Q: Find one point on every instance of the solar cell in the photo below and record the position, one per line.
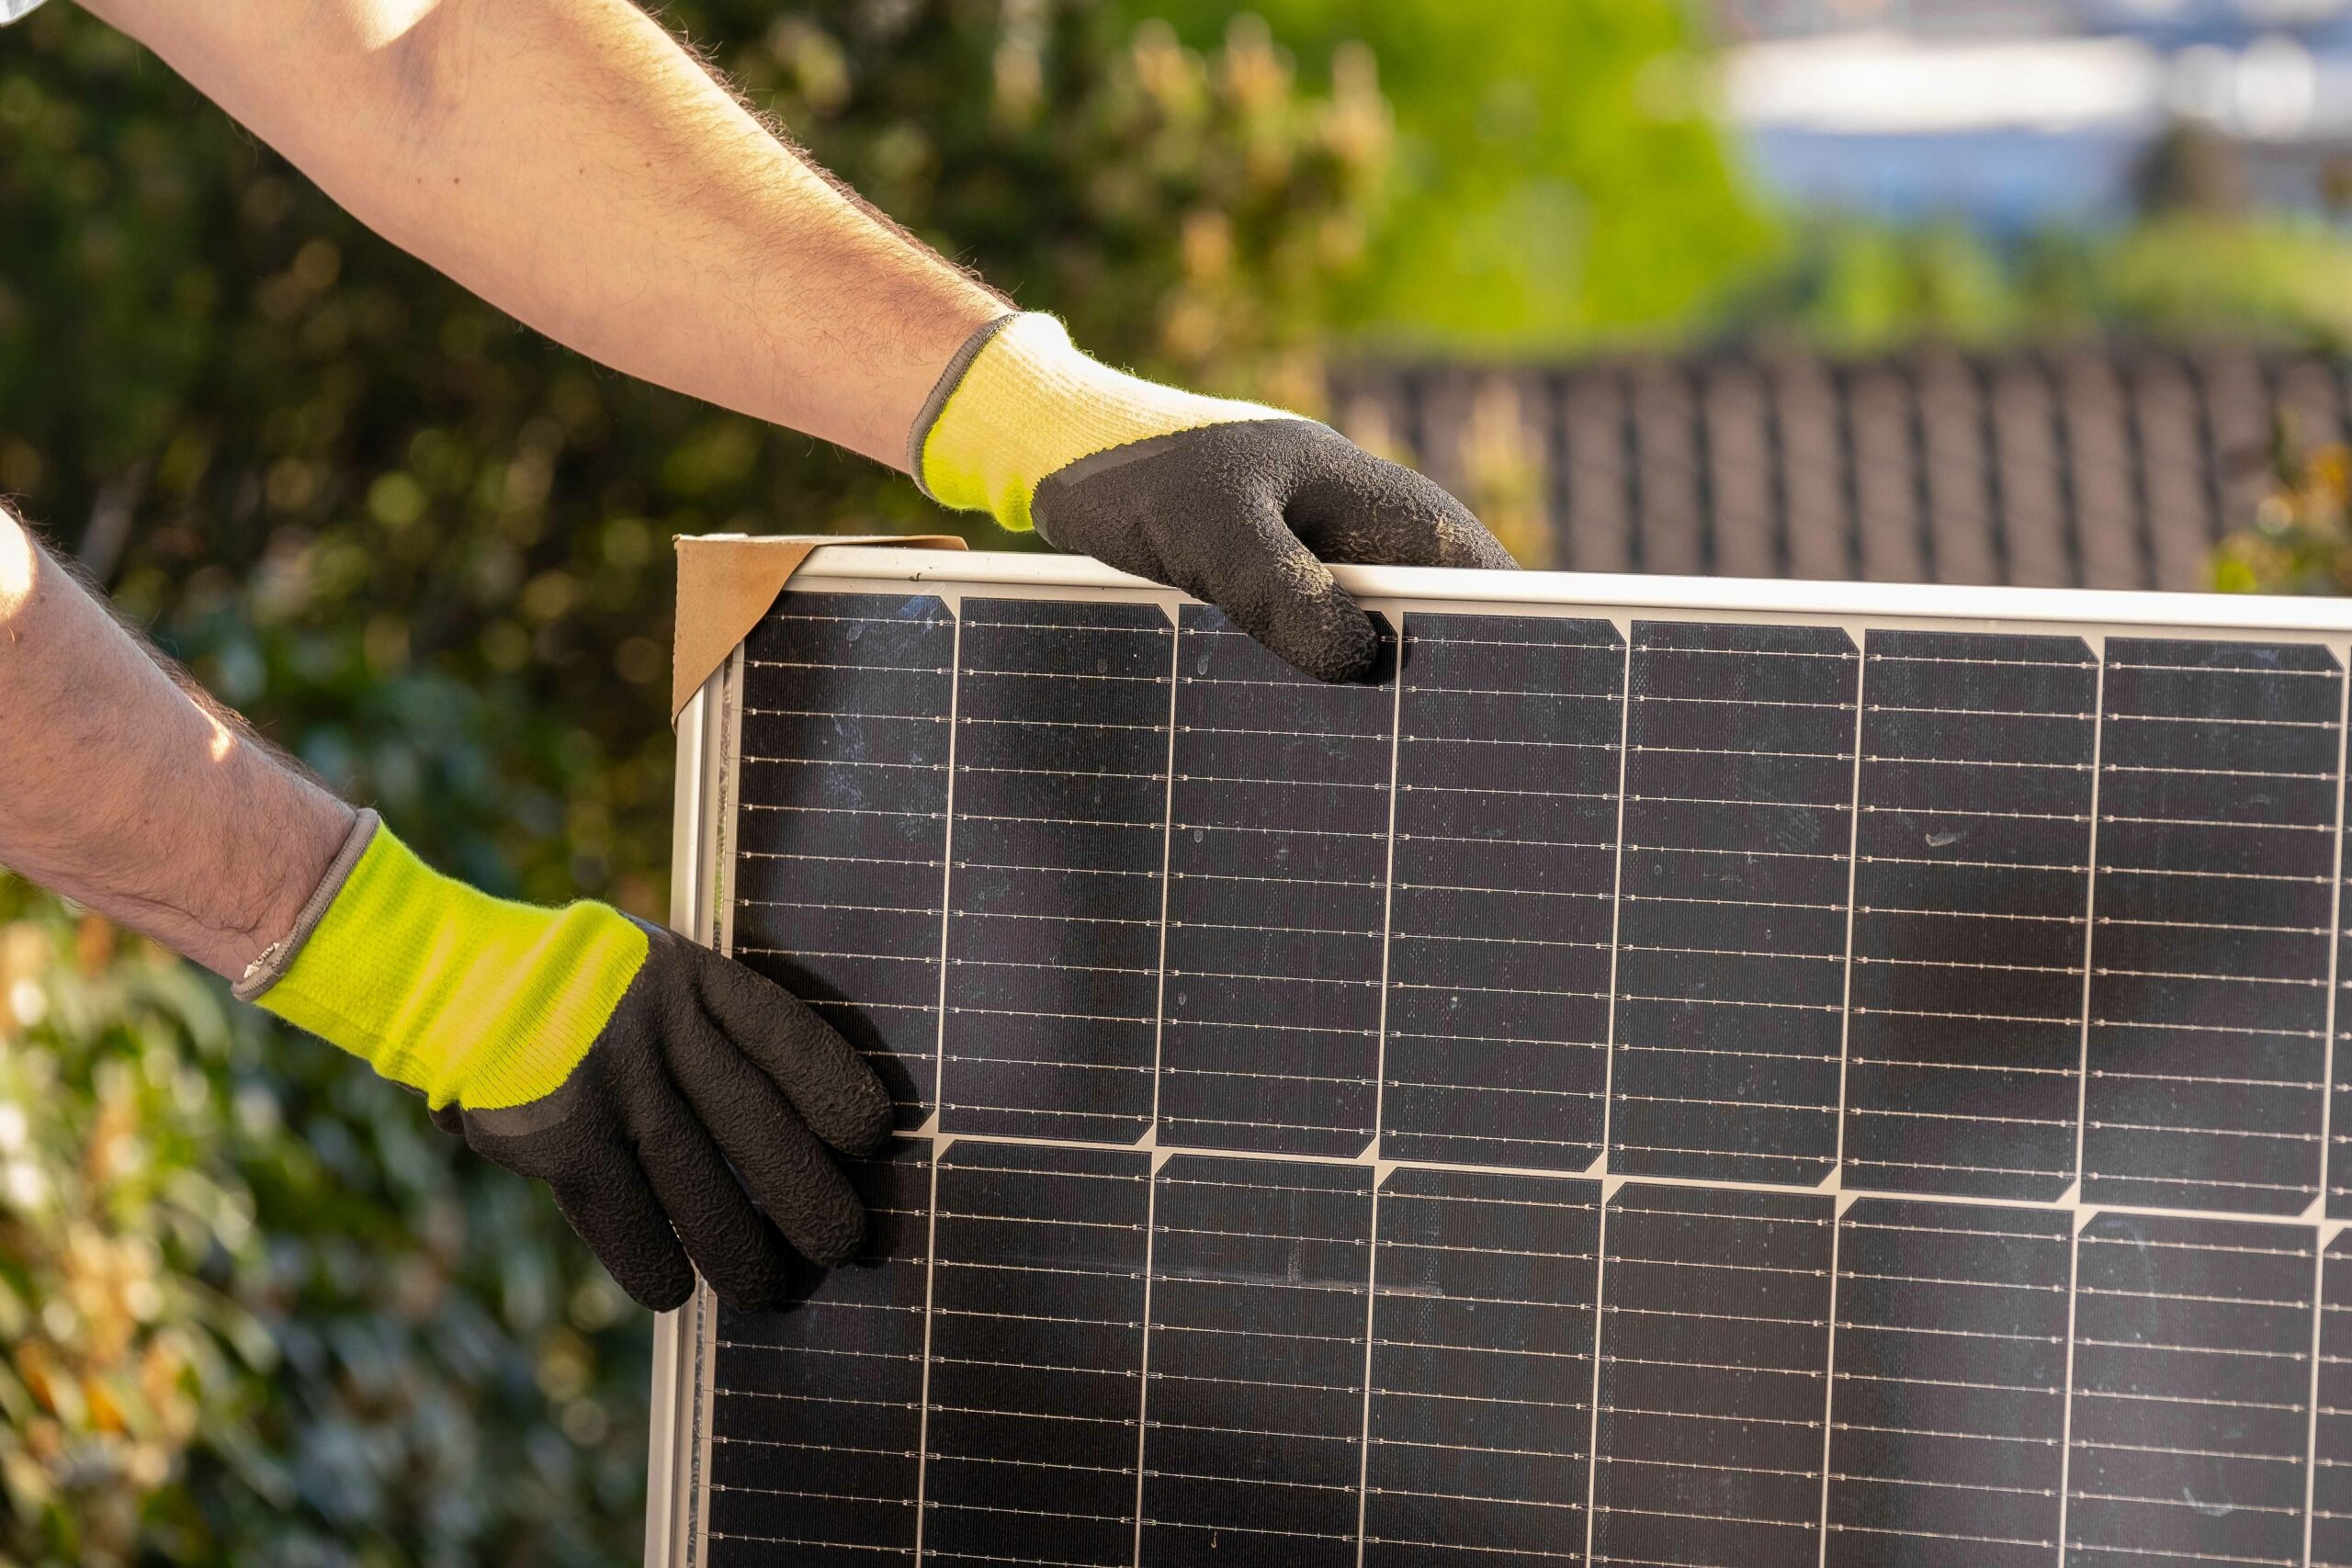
(1254, 1389)
(840, 848)
(1036, 1389)
(1502, 896)
(2190, 1413)
(1661, 1087)
(1713, 1387)
(1948, 1408)
(816, 1430)
(1970, 894)
(2331, 1477)
(2339, 1166)
(1481, 1368)
(1731, 926)
(1277, 864)
(2220, 777)
(1059, 843)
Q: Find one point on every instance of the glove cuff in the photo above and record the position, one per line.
(270, 966)
(1018, 403)
(469, 999)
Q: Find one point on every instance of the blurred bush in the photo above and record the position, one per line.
(1562, 180)
(257, 1309)
(2299, 540)
(1858, 288)
(251, 1310)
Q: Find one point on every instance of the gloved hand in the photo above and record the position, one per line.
(622, 1065)
(1232, 503)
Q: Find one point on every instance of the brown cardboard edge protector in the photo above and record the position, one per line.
(727, 581)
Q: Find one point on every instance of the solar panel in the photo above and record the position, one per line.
(1667, 1073)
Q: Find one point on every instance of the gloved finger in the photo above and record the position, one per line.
(612, 1208)
(740, 1252)
(828, 1082)
(1351, 507)
(774, 1153)
(1202, 511)
(572, 1142)
(1249, 565)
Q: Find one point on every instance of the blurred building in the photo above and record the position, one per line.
(2083, 467)
(2011, 114)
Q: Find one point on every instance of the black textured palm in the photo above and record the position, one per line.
(710, 1088)
(1243, 517)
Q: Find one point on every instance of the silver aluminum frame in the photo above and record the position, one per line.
(710, 727)
(678, 1447)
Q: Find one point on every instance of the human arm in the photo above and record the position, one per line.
(648, 1081)
(128, 791)
(567, 160)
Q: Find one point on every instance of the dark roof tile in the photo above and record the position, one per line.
(2101, 465)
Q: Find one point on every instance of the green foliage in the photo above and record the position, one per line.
(255, 1309)
(1561, 180)
(2300, 538)
(1853, 288)
(2278, 279)
(258, 1310)
(1859, 287)
(1187, 210)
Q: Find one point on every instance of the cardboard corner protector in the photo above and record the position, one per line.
(728, 581)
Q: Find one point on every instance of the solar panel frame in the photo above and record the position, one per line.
(705, 843)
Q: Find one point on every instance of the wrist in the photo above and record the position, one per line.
(1020, 402)
(293, 928)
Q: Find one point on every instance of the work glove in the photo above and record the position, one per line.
(1232, 503)
(648, 1081)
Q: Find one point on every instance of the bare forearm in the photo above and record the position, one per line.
(117, 790)
(568, 162)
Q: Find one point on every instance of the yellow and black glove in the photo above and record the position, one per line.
(648, 1081)
(1232, 503)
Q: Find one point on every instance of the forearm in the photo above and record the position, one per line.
(567, 161)
(117, 790)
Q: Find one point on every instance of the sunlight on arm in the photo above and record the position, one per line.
(16, 567)
(21, 574)
(381, 23)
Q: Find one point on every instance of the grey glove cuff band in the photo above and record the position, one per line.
(944, 388)
(279, 957)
